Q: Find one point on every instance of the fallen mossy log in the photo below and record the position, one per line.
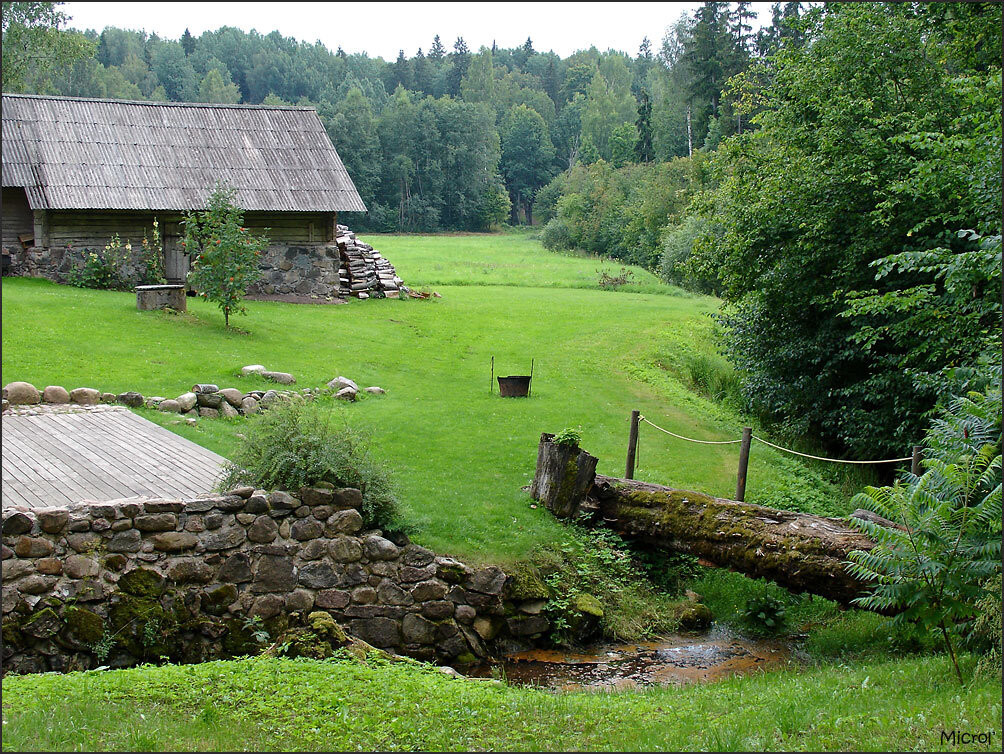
(799, 551)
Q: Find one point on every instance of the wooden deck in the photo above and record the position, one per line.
(61, 459)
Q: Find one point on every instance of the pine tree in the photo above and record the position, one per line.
(437, 51)
(461, 59)
(644, 150)
(188, 42)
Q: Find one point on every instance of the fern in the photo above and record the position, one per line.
(930, 572)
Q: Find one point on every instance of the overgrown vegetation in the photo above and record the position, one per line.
(297, 443)
(932, 571)
(225, 255)
(105, 269)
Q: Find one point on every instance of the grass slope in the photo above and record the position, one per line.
(267, 704)
(459, 455)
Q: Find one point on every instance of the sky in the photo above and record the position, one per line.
(381, 29)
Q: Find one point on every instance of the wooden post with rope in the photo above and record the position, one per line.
(744, 460)
(915, 461)
(632, 446)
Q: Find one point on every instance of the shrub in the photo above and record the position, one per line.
(105, 269)
(612, 282)
(225, 256)
(297, 444)
(556, 236)
(764, 614)
(151, 256)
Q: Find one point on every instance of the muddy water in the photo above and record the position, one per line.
(675, 660)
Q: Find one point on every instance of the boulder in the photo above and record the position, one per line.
(252, 369)
(227, 411)
(233, 396)
(209, 400)
(55, 394)
(21, 393)
(374, 390)
(131, 399)
(249, 406)
(108, 397)
(283, 378)
(85, 396)
(187, 401)
(343, 382)
(346, 394)
(170, 406)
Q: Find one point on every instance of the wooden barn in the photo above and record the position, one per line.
(77, 171)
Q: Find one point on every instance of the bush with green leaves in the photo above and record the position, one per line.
(764, 614)
(225, 255)
(298, 444)
(104, 270)
(932, 570)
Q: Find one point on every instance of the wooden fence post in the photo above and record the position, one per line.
(632, 446)
(915, 463)
(744, 459)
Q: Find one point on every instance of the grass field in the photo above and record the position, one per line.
(459, 457)
(297, 705)
(458, 454)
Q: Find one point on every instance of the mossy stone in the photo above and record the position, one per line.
(695, 616)
(216, 599)
(142, 582)
(466, 658)
(525, 583)
(12, 636)
(324, 625)
(588, 605)
(239, 641)
(83, 626)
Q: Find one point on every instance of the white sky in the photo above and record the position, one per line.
(381, 29)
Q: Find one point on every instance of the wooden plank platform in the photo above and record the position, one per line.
(65, 458)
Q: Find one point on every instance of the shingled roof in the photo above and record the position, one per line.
(71, 153)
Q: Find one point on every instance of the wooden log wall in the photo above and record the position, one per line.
(18, 218)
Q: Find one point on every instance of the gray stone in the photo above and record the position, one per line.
(187, 401)
(249, 406)
(33, 547)
(417, 630)
(101, 524)
(84, 541)
(230, 503)
(274, 573)
(125, 541)
(213, 521)
(414, 555)
(16, 568)
(52, 520)
(268, 606)
(227, 411)
(386, 568)
(532, 607)
(49, 566)
(344, 522)
(409, 574)
(487, 580)
(465, 614)
(171, 407)
(438, 609)
(209, 413)
(21, 394)
(233, 396)
(354, 575)
(302, 512)
(131, 399)
(257, 503)
(389, 593)
(451, 570)
(374, 390)
(209, 400)
(174, 541)
(322, 512)
(186, 570)
(36, 584)
(156, 522)
(204, 387)
(283, 378)
(16, 523)
(270, 397)
(122, 524)
(378, 548)
(163, 506)
(225, 538)
(318, 575)
(299, 600)
(316, 495)
(283, 500)
(526, 626)
(340, 383)
(346, 394)
(485, 628)
(380, 632)
(332, 599)
(85, 396)
(55, 394)
(314, 549)
(242, 492)
(347, 497)
(236, 569)
(364, 595)
(252, 369)
(428, 590)
(305, 529)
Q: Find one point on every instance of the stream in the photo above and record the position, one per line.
(678, 659)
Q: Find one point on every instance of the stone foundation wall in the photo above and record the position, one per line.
(308, 270)
(126, 582)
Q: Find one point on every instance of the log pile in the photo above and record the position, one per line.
(364, 272)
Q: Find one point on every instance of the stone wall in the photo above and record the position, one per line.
(307, 270)
(125, 582)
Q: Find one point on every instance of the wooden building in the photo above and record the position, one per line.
(77, 171)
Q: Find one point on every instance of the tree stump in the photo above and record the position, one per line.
(564, 476)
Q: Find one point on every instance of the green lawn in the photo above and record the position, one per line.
(458, 454)
(266, 704)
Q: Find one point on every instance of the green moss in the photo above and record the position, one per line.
(142, 582)
(694, 616)
(450, 573)
(216, 599)
(238, 641)
(525, 583)
(466, 658)
(129, 619)
(324, 625)
(83, 625)
(588, 604)
(12, 636)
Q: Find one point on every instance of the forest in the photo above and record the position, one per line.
(834, 177)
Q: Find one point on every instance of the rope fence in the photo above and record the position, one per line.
(747, 437)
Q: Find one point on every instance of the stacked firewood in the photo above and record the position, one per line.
(364, 272)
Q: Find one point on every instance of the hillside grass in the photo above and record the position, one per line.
(459, 455)
(265, 704)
